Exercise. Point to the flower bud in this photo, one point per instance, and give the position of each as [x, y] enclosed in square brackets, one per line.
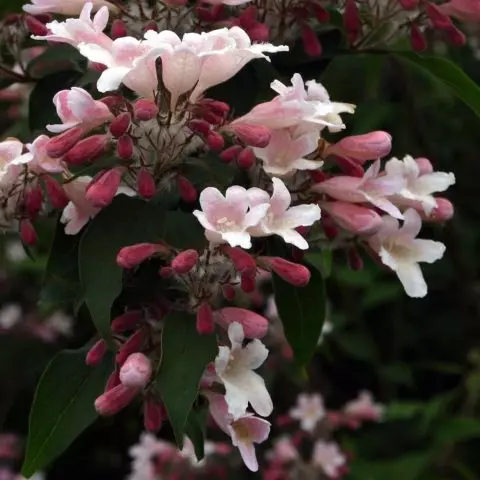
[355, 261]
[136, 371]
[246, 158]
[455, 36]
[153, 415]
[230, 153]
[212, 117]
[114, 400]
[354, 218]
[252, 135]
[101, 193]
[408, 4]
[369, 146]
[113, 381]
[228, 291]
[132, 345]
[348, 166]
[97, 67]
[215, 141]
[259, 33]
[61, 144]
[328, 225]
[166, 272]
[311, 43]
[247, 282]
[129, 257]
[120, 124]
[218, 107]
[294, 273]
[205, 322]
[317, 176]
[96, 353]
[254, 325]
[126, 321]
[437, 17]
[351, 20]
[118, 30]
[151, 25]
[55, 192]
[201, 127]
[145, 110]
[248, 17]
[321, 14]
[242, 260]
[125, 147]
[441, 213]
[424, 165]
[187, 191]
[35, 26]
[33, 201]
[184, 261]
[87, 150]
[417, 39]
[113, 102]
[27, 233]
[146, 184]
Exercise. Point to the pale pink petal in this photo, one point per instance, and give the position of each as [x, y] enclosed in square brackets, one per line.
[257, 196]
[111, 78]
[256, 215]
[412, 223]
[237, 239]
[281, 199]
[428, 251]
[411, 277]
[253, 355]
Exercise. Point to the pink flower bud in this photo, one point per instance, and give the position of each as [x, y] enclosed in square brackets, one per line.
[153, 415]
[317, 176]
[369, 146]
[294, 273]
[145, 110]
[205, 323]
[248, 17]
[354, 218]
[311, 43]
[230, 153]
[349, 166]
[113, 381]
[408, 4]
[55, 192]
[119, 29]
[166, 272]
[218, 107]
[200, 127]
[129, 257]
[242, 260]
[114, 400]
[424, 165]
[252, 135]
[228, 291]
[187, 191]
[126, 321]
[113, 102]
[184, 261]
[125, 147]
[102, 192]
[61, 144]
[254, 325]
[120, 124]
[329, 228]
[87, 149]
[215, 141]
[136, 371]
[27, 233]
[351, 20]
[35, 27]
[437, 17]
[355, 261]
[455, 36]
[204, 14]
[246, 158]
[33, 201]
[146, 184]
[321, 14]
[247, 282]
[96, 353]
[441, 213]
[132, 345]
[259, 33]
[417, 40]
[212, 117]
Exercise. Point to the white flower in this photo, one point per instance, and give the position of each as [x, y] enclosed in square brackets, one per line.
[402, 252]
[282, 219]
[419, 188]
[364, 408]
[227, 219]
[309, 411]
[328, 457]
[10, 315]
[234, 366]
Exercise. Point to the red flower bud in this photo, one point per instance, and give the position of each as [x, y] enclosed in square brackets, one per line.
[184, 261]
[441, 213]
[146, 184]
[215, 141]
[166, 272]
[248, 17]
[254, 325]
[35, 26]
[218, 107]
[27, 233]
[125, 147]
[329, 228]
[417, 40]
[96, 353]
[126, 321]
[98, 67]
[259, 33]
[132, 345]
[408, 4]
[212, 117]
[61, 144]
[153, 415]
[187, 191]
[102, 192]
[437, 17]
[114, 400]
[317, 176]
[113, 381]
[369, 146]
[136, 371]
[242, 260]
[455, 36]
[55, 192]
[294, 273]
[311, 43]
[87, 149]
[120, 124]
[246, 158]
[228, 291]
[424, 165]
[113, 102]
[252, 135]
[129, 257]
[354, 218]
[33, 201]
[230, 153]
[350, 167]
[145, 110]
[205, 323]
[200, 127]
[351, 20]
[118, 30]
[320, 13]
[247, 282]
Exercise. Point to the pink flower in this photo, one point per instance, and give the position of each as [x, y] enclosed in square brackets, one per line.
[40, 161]
[282, 219]
[328, 457]
[465, 10]
[76, 107]
[400, 250]
[227, 219]
[62, 7]
[372, 188]
[363, 408]
[283, 451]
[309, 411]
[11, 160]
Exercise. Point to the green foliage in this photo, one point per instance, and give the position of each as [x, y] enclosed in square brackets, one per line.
[195, 429]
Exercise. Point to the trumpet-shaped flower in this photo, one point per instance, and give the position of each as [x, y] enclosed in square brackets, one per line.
[71, 7]
[226, 219]
[418, 189]
[400, 250]
[309, 411]
[11, 159]
[234, 366]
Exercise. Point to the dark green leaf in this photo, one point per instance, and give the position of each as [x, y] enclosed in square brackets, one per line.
[195, 430]
[457, 429]
[63, 407]
[357, 345]
[185, 354]
[321, 260]
[58, 58]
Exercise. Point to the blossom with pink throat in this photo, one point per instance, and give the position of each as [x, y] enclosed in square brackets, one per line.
[309, 411]
[363, 408]
[282, 219]
[235, 367]
[76, 107]
[62, 7]
[419, 187]
[226, 219]
[328, 456]
[400, 250]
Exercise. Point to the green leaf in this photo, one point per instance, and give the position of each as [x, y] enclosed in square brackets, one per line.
[448, 74]
[185, 354]
[195, 429]
[357, 344]
[302, 312]
[57, 58]
[321, 260]
[457, 429]
[63, 406]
